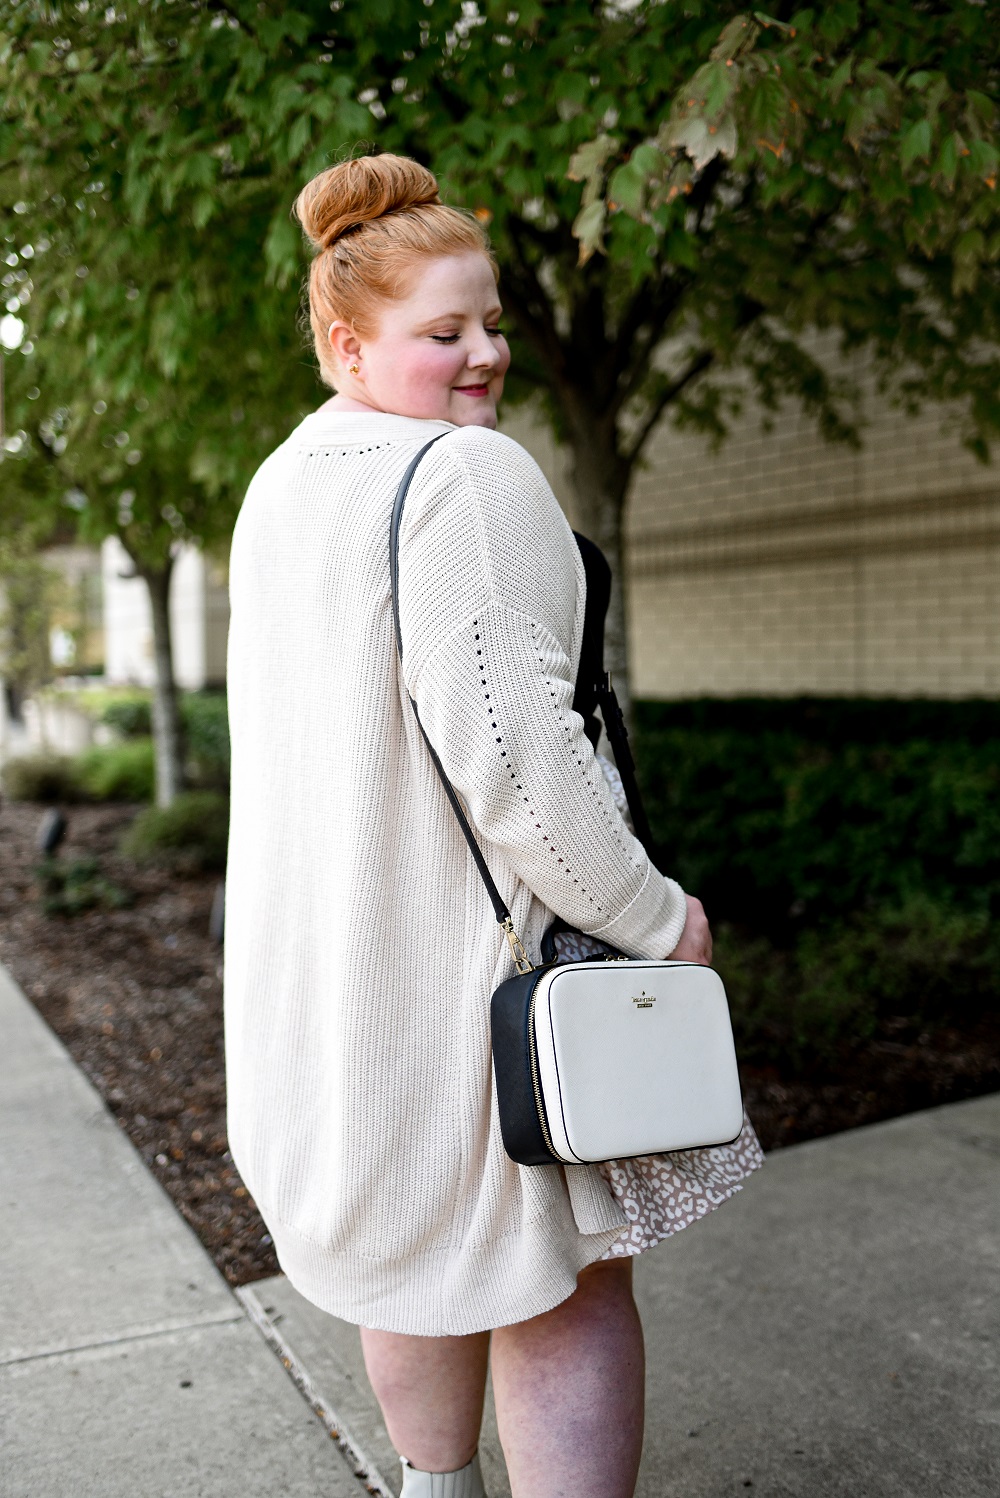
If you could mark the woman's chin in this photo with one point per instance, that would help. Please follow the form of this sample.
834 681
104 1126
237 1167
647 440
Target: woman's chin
481 414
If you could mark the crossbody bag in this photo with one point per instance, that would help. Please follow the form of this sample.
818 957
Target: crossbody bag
608 1057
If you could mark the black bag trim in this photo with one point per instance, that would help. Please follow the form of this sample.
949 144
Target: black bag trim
521 1110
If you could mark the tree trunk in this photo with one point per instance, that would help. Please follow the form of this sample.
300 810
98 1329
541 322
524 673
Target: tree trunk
600 481
167 737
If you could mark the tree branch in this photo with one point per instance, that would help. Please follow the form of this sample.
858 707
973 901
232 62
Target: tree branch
532 307
662 399
548 241
639 335
703 189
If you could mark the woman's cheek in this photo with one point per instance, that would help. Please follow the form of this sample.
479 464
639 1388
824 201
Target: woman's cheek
434 366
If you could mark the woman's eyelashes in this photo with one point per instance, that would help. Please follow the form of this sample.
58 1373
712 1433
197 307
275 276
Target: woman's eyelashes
454 337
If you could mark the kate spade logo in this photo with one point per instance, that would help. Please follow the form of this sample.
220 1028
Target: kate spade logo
644 1000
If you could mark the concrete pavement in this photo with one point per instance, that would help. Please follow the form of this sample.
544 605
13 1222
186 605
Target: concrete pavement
832 1332
128 1369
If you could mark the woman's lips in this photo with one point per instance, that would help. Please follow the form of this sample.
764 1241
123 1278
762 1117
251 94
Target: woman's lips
472 389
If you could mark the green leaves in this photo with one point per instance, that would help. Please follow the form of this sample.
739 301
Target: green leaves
970 251
283 247
588 227
657 175
828 110
587 165
738 36
588 161
916 143
983 160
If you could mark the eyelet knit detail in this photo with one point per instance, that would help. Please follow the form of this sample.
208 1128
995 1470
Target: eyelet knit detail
518 785
345 452
612 824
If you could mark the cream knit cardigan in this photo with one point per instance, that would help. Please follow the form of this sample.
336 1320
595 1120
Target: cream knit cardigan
361 948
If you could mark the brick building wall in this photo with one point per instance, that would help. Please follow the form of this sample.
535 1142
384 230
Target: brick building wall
782 564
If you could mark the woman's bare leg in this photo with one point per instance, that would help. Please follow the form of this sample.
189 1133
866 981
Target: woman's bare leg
431 1391
569 1386
570 1391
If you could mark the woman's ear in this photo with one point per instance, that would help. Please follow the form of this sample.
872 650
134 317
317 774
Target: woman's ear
344 343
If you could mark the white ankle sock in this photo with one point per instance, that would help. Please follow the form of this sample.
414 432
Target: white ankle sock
468 1483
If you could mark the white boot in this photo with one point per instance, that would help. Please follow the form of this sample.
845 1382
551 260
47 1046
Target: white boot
468 1483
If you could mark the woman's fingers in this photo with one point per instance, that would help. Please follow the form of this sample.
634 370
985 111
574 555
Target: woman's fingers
695 944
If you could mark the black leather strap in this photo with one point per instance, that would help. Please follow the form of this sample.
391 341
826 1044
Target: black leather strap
590 670
496 899
611 712
614 724
397 516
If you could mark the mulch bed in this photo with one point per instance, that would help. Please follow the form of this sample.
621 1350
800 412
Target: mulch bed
135 994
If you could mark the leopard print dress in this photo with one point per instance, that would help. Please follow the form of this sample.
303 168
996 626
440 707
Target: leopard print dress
661 1194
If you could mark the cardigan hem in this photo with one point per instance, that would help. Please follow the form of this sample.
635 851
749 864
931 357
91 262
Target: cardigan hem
516 1277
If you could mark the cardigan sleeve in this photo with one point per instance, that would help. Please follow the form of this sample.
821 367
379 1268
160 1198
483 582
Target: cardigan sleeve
491 673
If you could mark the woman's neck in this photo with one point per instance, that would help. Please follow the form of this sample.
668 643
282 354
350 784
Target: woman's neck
348 403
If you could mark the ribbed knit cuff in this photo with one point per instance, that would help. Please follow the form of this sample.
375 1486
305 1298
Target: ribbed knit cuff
653 921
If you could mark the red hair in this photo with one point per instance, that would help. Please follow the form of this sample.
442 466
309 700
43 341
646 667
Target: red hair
371 220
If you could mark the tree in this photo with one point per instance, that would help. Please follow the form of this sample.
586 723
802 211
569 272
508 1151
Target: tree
28 593
151 426
679 194
829 169
160 367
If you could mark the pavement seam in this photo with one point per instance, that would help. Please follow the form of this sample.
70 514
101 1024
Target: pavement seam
162 1329
363 1465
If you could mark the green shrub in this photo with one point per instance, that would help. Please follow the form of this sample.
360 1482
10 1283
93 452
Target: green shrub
70 888
129 716
41 777
777 830
191 835
832 721
919 965
206 734
118 772
848 854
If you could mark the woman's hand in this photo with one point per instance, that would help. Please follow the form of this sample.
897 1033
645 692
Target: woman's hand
695 944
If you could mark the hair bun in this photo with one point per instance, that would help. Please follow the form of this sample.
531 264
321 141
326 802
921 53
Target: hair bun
354 192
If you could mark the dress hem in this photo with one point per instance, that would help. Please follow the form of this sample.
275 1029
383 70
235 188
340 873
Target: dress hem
515 1278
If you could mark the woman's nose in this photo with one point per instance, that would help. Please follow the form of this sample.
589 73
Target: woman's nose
485 354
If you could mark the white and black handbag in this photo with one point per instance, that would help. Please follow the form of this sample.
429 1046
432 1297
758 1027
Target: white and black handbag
607 1057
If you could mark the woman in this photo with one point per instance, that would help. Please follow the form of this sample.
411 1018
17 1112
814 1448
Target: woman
361 949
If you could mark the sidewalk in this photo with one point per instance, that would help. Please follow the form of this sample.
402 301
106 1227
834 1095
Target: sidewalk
833 1332
128 1368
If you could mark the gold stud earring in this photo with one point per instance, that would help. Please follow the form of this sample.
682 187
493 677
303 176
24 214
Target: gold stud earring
354 369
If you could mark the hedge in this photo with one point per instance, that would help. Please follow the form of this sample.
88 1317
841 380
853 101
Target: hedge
848 854
205 723
117 772
206 731
780 827
189 836
41 777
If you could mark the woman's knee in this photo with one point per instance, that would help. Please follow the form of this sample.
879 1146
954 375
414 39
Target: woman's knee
603 1294
608 1278
608 1271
